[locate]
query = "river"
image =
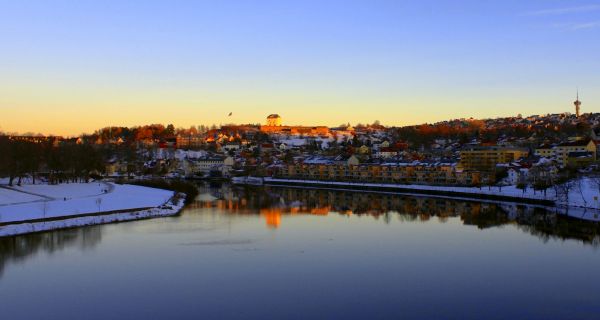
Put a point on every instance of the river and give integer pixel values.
(277, 252)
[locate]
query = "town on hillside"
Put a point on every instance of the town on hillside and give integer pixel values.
(536, 151)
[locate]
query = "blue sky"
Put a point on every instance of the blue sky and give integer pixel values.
(73, 66)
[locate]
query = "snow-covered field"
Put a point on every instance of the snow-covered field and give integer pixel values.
(22, 228)
(69, 190)
(9, 197)
(34, 202)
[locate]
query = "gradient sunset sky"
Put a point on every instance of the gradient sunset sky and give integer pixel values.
(68, 67)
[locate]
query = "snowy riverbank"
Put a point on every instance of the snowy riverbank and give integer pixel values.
(34, 208)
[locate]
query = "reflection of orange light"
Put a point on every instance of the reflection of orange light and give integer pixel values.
(320, 211)
(273, 220)
(272, 217)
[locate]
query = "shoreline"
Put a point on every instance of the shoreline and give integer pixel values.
(578, 212)
(42, 207)
(66, 222)
(416, 189)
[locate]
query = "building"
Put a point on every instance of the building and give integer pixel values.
(274, 126)
(544, 150)
(402, 173)
(575, 153)
(189, 141)
(486, 158)
(205, 165)
(386, 152)
(517, 175)
(273, 120)
(580, 159)
(562, 151)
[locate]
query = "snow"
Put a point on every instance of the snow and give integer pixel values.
(585, 194)
(69, 190)
(8, 197)
(296, 142)
(15, 229)
(189, 154)
(81, 198)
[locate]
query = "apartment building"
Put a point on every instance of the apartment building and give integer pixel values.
(485, 158)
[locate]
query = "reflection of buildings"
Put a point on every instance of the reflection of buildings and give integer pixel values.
(275, 203)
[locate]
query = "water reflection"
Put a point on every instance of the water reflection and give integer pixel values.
(276, 203)
(18, 249)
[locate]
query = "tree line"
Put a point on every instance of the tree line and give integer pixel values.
(62, 162)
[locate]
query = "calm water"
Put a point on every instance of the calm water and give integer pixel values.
(293, 253)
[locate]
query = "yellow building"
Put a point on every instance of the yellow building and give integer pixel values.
(545, 151)
(402, 173)
(486, 158)
(274, 125)
(364, 149)
(562, 151)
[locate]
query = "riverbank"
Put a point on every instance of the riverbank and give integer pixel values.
(35, 208)
(581, 195)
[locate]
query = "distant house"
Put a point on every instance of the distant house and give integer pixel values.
(580, 159)
(353, 161)
(232, 146)
(386, 153)
(189, 141)
(265, 147)
(364, 149)
(517, 175)
(206, 165)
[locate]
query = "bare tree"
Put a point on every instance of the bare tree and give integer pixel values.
(578, 185)
(563, 190)
(595, 181)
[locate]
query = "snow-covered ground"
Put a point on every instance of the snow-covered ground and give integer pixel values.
(167, 209)
(584, 193)
(9, 197)
(35, 202)
(69, 190)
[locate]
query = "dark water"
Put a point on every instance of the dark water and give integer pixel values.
(293, 253)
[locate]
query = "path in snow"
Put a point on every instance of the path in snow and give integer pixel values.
(36, 202)
(9, 196)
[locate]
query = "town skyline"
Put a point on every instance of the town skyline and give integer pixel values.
(87, 66)
(577, 109)
(299, 159)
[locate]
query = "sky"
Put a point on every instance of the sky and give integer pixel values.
(68, 67)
